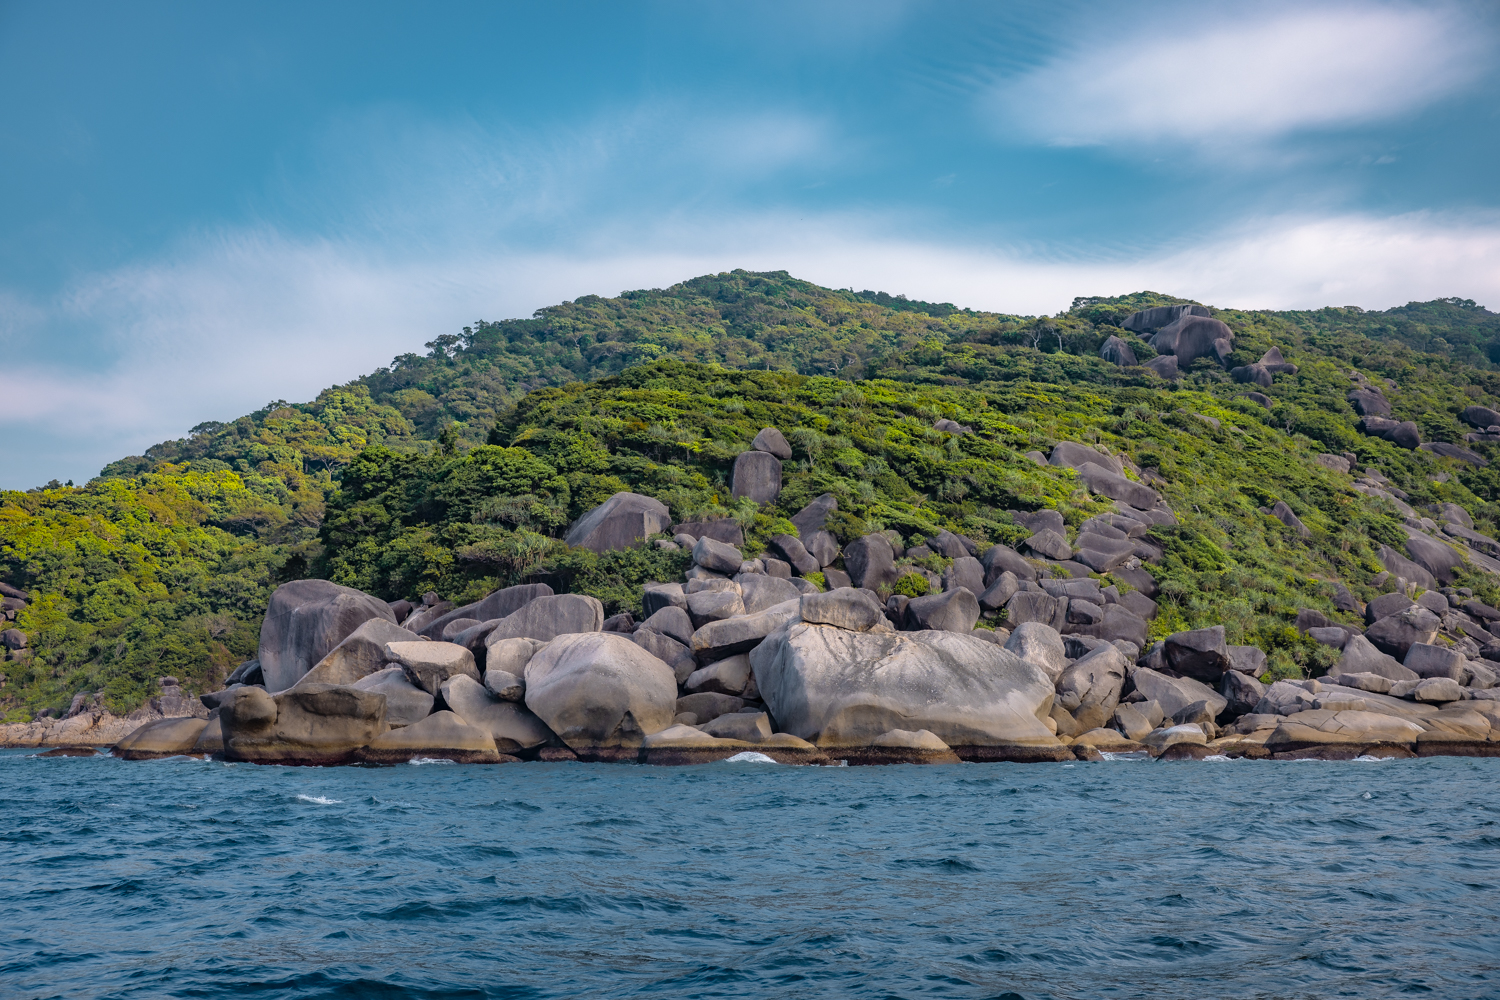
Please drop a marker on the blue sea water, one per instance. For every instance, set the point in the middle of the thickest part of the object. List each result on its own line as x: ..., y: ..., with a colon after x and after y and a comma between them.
x: 187, y: 878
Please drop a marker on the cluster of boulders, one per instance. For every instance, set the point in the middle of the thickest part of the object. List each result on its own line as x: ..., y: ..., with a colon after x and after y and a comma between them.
x: 12, y: 601
x: 1179, y: 334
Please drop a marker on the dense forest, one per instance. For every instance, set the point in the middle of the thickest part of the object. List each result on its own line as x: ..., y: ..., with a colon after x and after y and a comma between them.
x: 459, y: 470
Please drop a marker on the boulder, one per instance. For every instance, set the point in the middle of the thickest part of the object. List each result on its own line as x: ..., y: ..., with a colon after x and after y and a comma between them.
x: 756, y: 475
x: 1369, y: 403
x: 1404, y: 569
x: 1382, y: 607
x: 1362, y: 657
x: 1454, y: 452
x: 671, y: 621
x: 1274, y: 363
x: 1048, y: 544
x: 545, y: 618
x: 505, y: 685
x: 716, y: 556
x: 428, y: 664
x: 772, y: 442
x: 500, y: 604
x: 1373, y: 683
x: 1164, y: 366
x: 1242, y: 691
x: 751, y: 727
x: 1249, y: 660
x: 1436, y: 690
x: 13, y: 639
x: 1426, y: 660
x: 730, y: 675
x: 619, y: 522
x: 1118, y: 624
x: 319, y: 724
x: 426, y: 615
x: 405, y: 703
x: 359, y: 655
x: 1138, y: 604
x: 790, y: 548
x: 508, y: 656
x: 1333, y: 463
x: 211, y: 739
x: 1437, y: 558
x: 1030, y: 607
x: 1395, y: 634
x: 997, y: 594
x: 1452, y: 513
x: 1174, y: 693
x: 599, y: 690
x: 1116, y: 351
x: 1480, y: 416
x: 440, y: 736
x: 998, y: 559
x: 822, y: 546
x: 304, y: 621
x: 814, y: 516
x: 1102, y: 554
x: 1320, y: 726
x: 1146, y: 320
x: 706, y: 705
x: 1047, y: 519
x: 1039, y: 645
x: 1073, y: 455
x: 655, y: 596
x: 759, y: 592
x: 1255, y: 374
x: 1160, y: 739
x: 162, y: 738
x: 716, y: 640
x: 846, y: 608
x: 950, y: 611
x: 1200, y: 653
x: 1194, y: 337
x: 1286, y: 516
x: 1117, y: 487
x: 512, y: 727
x: 836, y: 688
x: 871, y: 562
x: 1089, y: 687
x: 722, y: 529
x: 713, y: 606
x: 669, y: 650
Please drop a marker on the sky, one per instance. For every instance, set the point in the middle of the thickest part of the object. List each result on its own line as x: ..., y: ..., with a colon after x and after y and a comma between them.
x: 205, y: 207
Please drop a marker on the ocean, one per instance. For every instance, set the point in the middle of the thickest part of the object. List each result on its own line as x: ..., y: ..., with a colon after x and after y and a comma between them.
x: 202, y: 879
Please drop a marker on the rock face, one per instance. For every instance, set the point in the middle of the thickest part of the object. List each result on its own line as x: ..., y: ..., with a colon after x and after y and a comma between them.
x: 619, y: 522
x: 163, y: 738
x: 548, y: 617
x: 440, y: 736
x: 405, y: 703
x: 871, y: 562
x: 834, y: 687
x: 600, y: 690
x: 511, y: 726
x: 359, y: 655
x: 320, y: 724
x: 1147, y: 320
x: 304, y: 621
x: 757, y: 475
x: 772, y: 442
x: 1116, y: 351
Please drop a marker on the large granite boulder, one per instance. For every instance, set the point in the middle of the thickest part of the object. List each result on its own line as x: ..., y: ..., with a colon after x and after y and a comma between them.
x: 1321, y: 726
x: 716, y: 640
x: 669, y: 650
x: 814, y: 517
x: 838, y: 688
x: 500, y: 604
x: 1176, y: 693
x: 1148, y: 320
x: 1028, y: 606
x: 162, y: 738
x: 429, y: 664
x: 405, y: 703
x: 304, y: 621
x: 1242, y: 691
x: 440, y: 736
x: 950, y: 611
x: 512, y: 726
x: 545, y: 618
x: 1039, y: 645
x: 759, y: 592
x: 1117, y: 351
x: 1200, y: 654
x: 1117, y: 487
x: 871, y: 562
x: 1437, y: 558
x: 319, y: 724
x: 1403, y: 568
x: 675, y: 622
x: 790, y: 548
x: 1369, y: 403
x: 716, y: 556
x: 1395, y: 634
x: 757, y: 475
x: 998, y: 559
x: 772, y: 442
x: 1089, y: 687
x: 720, y: 529
x: 1194, y: 337
x: 846, y: 608
x: 359, y: 655
x: 599, y: 691
x: 1073, y: 455
x: 619, y: 522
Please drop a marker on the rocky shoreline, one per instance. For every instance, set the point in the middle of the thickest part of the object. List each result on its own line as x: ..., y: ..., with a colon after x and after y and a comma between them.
x: 810, y: 653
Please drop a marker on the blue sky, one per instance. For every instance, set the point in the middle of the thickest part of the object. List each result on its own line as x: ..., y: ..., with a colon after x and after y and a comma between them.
x: 207, y: 206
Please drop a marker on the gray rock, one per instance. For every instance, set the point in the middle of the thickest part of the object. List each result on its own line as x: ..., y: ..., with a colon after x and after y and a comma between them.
x: 405, y: 703
x: 1242, y: 691
x: 1436, y: 690
x: 548, y: 617
x: 717, y: 556
x: 598, y: 689
x: 751, y: 727
x: 619, y: 522
x: 1361, y: 657
x: 834, y: 687
x: 655, y: 596
x: 730, y: 675
x: 1249, y: 660
x: 1031, y: 607
x: 771, y: 441
x: 999, y: 559
x: 836, y: 578
x: 790, y: 548
x: 1081, y: 612
x: 1404, y: 569
x: 1198, y: 713
x: 429, y: 664
x: 13, y: 639
x: 672, y: 622
x: 805, y: 586
x: 1000, y: 592
x: 1132, y: 722
x: 1194, y: 337
x: 845, y: 608
x: 1117, y: 487
x: 1286, y: 516
x: 440, y: 736
x: 320, y: 724
x: 1200, y: 653
x: 674, y: 654
x: 1437, y: 558
x: 871, y: 562
x: 1040, y: 645
x: 1157, y: 317
x: 714, y: 605
x: 1116, y: 351
x: 454, y: 626
x: 1274, y: 363
x: 1049, y: 545
x: 500, y: 604
x: 756, y: 475
x: 1174, y: 693
x: 1255, y: 374
x: 1333, y: 463
x: 1165, y: 366
x: 359, y: 655
x: 1072, y: 455
x: 1396, y: 633
x: 1426, y: 660
x: 1434, y: 602
x: 1364, y: 682
x: 822, y: 546
x: 761, y: 592
x: 1138, y: 604
x: 722, y: 529
x: 161, y: 738
x: 505, y: 685
x: 965, y: 572
x: 1045, y: 519
x: 304, y: 621
x: 814, y: 516
x: 1383, y: 606
x: 1369, y: 403
x: 950, y: 611
x: 1089, y: 687
x: 721, y: 639
x: 510, y: 725
x: 707, y: 705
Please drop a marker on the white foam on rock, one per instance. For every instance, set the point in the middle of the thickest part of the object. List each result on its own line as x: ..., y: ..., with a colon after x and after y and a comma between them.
x: 749, y: 757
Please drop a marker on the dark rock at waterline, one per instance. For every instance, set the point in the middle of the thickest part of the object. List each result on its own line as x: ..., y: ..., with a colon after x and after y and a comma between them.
x: 319, y: 724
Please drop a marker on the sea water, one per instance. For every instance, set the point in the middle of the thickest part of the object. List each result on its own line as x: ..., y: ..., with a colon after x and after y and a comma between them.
x: 188, y: 878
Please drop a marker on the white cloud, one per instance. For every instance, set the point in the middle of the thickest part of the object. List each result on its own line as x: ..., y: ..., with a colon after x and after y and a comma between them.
x: 228, y: 323
x: 1258, y: 77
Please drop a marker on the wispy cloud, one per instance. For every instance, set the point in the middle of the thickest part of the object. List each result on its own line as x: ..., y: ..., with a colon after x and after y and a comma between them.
x: 1256, y: 77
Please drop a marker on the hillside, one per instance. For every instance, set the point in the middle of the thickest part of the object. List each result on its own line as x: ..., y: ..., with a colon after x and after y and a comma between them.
x: 459, y: 470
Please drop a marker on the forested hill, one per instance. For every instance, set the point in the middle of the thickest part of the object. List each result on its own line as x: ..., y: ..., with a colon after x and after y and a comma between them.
x: 459, y: 468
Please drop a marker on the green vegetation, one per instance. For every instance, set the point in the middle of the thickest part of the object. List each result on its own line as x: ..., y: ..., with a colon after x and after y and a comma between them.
x: 460, y: 470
